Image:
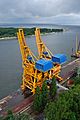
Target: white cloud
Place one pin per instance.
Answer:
(47, 11)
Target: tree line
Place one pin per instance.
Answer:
(67, 105)
(12, 32)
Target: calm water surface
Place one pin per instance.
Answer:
(10, 57)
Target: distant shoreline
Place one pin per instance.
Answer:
(7, 38)
(11, 38)
(11, 33)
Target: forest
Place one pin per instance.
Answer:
(12, 32)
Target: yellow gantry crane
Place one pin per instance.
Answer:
(77, 52)
(36, 71)
(44, 52)
(28, 63)
(77, 47)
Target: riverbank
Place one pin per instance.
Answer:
(7, 38)
(12, 38)
(11, 33)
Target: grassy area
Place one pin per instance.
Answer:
(12, 32)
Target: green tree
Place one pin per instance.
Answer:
(1, 118)
(77, 80)
(41, 97)
(53, 87)
(23, 116)
(65, 107)
(10, 116)
(37, 104)
(44, 94)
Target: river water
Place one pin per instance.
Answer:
(10, 57)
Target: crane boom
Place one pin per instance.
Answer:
(43, 51)
(25, 50)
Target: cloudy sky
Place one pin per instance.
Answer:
(40, 11)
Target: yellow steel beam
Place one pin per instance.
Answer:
(40, 45)
(76, 44)
(31, 76)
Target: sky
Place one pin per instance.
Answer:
(40, 11)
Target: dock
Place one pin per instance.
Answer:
(16, 101)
